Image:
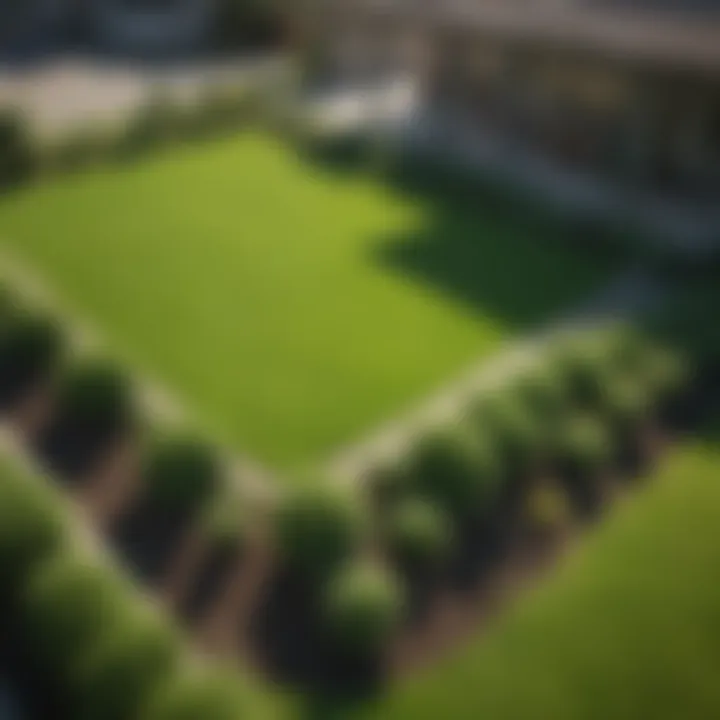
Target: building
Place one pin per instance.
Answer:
(627, 92)
(155, 26)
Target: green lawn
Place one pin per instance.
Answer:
(288, 306)
(628, 628)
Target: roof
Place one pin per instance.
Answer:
(679, 33)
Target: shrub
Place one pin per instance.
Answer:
(515, 430)
(543, 391)
(30, 346)
(220, 109)
(181, 474)
(199, 697)
(319, 526)
(363, 606)
(96, 396)
(456, 469)
(68, 603)
(17, 154)
(420, 534)
(548, 509)
(665, 372)
(127, 666)
(157, 122)
(31, 526)
(584, 447)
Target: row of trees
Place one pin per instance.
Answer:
(105, 649)
(574, 414)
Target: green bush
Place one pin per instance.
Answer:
(159, 121)
(68, 603)
(129, 663)
(182, 474)
(319, 526)
(363, 607)
(215, 696)
(584, 447)
(547, 509)
(17, 154)
(665, 373)
(543, 391)
(456, 469)
(30, 347)
(31, 526)
(420, 534)
(96, 395)
(220, 109)
(516, 431)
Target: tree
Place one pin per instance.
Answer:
(363, 606)
(319, 526)
(456, 469)
(67, 605)
(181, 474)
(31, 526)
(130, 662)
(420, 534)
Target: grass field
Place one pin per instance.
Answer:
(289, 307)
(628, 628)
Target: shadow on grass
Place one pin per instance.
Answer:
(485, 245)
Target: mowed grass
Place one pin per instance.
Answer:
(628, 628)
(289, 307)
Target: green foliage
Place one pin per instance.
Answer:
(419, 533)
(456, 469)
(31, 526)
(17, 154)
(319, 526)
(584, 446)
(194, 696)
(130, 662)
(68, 603)
(182, 474)
(96, 394)
(516, 431)
(547, 508)
(543, 390)
(363, 606)
(30, 346)
(159, 121)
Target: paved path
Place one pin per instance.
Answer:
(633, 292)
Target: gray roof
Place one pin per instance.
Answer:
(647, 31)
